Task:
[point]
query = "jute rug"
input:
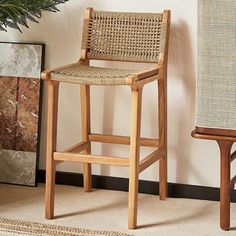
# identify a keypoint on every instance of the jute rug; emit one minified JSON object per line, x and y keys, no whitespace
{"x":26,"y":228}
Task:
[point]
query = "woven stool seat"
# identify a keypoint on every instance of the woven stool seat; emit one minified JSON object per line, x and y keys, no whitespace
{"x":83,"y":74}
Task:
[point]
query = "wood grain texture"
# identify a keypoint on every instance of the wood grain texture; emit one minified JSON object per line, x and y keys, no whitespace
{"x":117,"y":139}
{"x":150,"y":159}
{"x":87,"y":158}
{"x":85,"y":118}
{"x":233,"y":156}
{"x":219,"y":132}
{"x":136,"y":101}
{"x":225,"y":183}
{"x":162,"y":115}
{"x":52,"y":108}
{"x":77,"y":147}
{"x":162,"y":109}
{"x":214,"y":136}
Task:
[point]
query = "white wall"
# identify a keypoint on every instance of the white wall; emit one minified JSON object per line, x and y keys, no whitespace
{"x":190,"y":161}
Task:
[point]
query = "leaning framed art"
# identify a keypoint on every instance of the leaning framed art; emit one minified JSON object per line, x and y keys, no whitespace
{"x":20,"y":111}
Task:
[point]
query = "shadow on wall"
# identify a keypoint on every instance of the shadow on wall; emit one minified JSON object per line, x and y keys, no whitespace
{"x":182,"y":69}
{"x":108,"y":117}
{"x":181,"y":61}
{"x":62,"y":41}
{"x":112,"y":125}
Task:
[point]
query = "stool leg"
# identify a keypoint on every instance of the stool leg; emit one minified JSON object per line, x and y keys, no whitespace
{"x":162,"y":120}
{"x":136,"y":99}
{"x":85,"y":117}
{"x":225,"y":157}
{"x":52,"y":103}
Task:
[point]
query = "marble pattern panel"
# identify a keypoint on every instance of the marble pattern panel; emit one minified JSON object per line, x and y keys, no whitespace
{"x":20,"y":68}
{"x":17,"y":167}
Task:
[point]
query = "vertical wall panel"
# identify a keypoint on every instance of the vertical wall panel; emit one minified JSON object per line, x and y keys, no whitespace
{"x":216,"y":69}
{"x":20,"y":67}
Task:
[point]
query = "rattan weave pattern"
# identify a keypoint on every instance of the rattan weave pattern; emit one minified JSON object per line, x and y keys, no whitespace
{"x":124,"y":36}
{"x":83,"y":74}
{"x":27,"y":228}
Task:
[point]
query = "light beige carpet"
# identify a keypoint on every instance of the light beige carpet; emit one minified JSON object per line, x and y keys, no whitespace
{"x":107,"y":210}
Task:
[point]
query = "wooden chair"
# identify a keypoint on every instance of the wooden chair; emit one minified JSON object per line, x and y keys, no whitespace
{"x":134,"y":37}
{"x":225,"y":139}
{"x":216,"y":90}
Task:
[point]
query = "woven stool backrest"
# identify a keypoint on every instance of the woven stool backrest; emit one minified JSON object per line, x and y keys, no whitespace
{"x":139,"y":37}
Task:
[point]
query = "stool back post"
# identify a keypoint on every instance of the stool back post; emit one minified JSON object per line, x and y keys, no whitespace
{"x":52,"y":110}
{"x":85,"y":113}
{"x":84,"y":49}
{"x":162,"y":106}
{"x":162,"y":82}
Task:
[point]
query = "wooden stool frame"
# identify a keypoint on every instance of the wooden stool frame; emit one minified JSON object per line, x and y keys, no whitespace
{"x":81,"y":152}
{"x":225,"y":140}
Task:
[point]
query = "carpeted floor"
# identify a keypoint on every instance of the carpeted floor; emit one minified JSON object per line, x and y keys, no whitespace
{"x":30,"y":228}
{"x":107,"y":210}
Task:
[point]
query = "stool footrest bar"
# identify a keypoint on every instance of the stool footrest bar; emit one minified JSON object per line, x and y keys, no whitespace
{"x":117,"y":139}
{"x":93,"y":159}
{"x":150,"y":159}
{"x":233,"y":156}
{"x":77,"y":147}
{"x":232,"y":182}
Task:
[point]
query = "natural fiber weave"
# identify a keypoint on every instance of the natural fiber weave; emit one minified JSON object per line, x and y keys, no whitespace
{"x":82,"y":74}
{"x":124,"y":36}
{"x":216,"y":70}
{"x":19,"y":227}
{"x":116,"y":36}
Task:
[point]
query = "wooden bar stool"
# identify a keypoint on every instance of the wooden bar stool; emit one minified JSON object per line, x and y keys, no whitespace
{"x":114,"y":36}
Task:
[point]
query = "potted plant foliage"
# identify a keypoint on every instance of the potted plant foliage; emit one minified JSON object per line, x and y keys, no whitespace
{"x":16,"y":13}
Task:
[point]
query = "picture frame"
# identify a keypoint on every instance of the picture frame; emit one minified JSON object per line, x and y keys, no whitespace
{"x":21,"y":64}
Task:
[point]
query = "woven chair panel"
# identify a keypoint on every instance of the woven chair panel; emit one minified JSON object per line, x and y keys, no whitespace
{"x":124,"y":36}
{"x":82,"y":74}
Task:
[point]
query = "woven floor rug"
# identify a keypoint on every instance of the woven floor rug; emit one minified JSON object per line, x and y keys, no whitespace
{"x":9,"y":227}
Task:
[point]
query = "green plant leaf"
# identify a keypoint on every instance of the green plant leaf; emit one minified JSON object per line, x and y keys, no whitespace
{"x":16,"y":12}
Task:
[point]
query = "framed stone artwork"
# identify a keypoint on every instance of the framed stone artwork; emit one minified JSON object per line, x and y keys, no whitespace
{"x":20,"y":111}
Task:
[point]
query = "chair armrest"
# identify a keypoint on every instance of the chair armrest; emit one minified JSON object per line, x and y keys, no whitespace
{"x":147,"y":76}
{"x":148,"y":73}
{"x":45,"y":75}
